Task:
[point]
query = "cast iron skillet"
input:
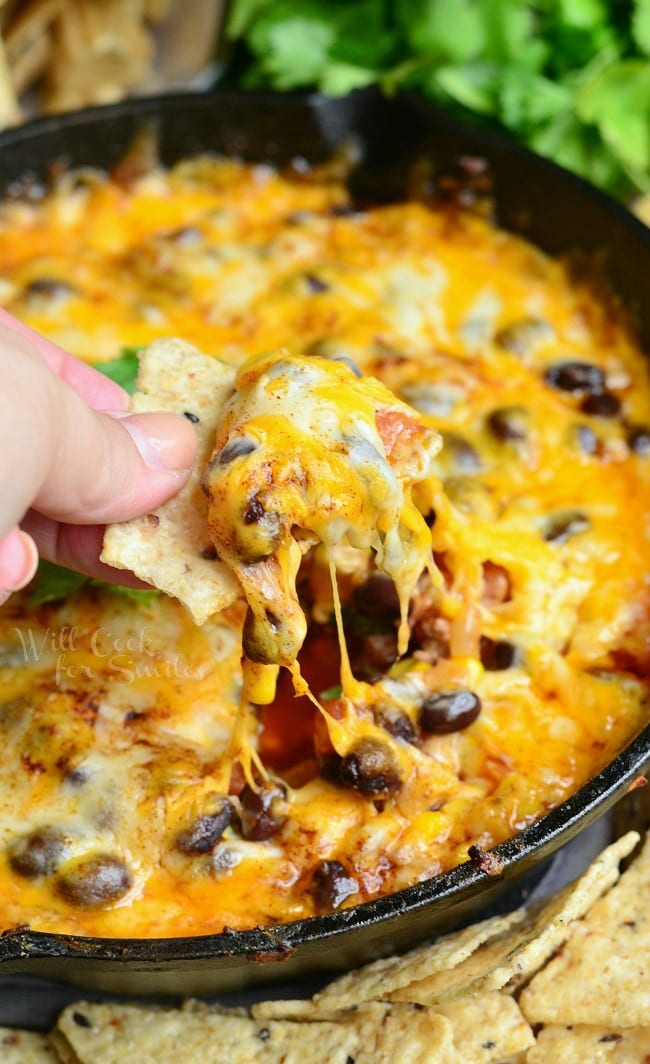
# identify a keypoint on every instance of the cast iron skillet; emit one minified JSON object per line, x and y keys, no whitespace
{"x":556,"y":211}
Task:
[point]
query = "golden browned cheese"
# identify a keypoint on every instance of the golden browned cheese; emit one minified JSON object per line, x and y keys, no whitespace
{"x":120,"y":810}
{"x":300,"y":459}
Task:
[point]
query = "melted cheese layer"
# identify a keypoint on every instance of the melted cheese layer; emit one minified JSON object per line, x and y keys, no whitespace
{"x":115,"y":718}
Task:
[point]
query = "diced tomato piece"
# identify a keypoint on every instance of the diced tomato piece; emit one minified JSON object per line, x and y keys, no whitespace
{"x":396,"y":430}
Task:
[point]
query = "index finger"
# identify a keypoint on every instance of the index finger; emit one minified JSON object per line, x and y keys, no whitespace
{"x":98,"y":391}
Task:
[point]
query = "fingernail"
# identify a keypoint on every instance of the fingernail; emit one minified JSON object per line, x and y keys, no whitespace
{"x":165,"y":442}
{"x":18,"y":560}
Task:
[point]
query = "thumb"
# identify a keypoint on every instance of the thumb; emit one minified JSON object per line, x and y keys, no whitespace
{"x":73,"y":464}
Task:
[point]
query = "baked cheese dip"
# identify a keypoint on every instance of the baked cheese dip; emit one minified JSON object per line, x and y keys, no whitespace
{"x":440,"y":709}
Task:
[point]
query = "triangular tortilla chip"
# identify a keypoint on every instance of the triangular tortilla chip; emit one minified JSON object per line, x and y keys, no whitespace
{"x":588,"y":1045}
{"x":517,"y":953}
{"x":602,"y":976}
{"x":171,"y":547}
{"x":113,"y":1034}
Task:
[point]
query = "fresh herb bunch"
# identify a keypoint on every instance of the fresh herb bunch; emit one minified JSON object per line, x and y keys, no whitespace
{"x":569,"y":78}
{"x":54,"y":582}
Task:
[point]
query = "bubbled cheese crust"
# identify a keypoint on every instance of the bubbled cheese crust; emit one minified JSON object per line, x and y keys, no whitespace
{"x":116,"y":717}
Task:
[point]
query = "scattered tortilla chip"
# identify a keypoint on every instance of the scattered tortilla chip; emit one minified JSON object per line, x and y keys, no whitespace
{"x":401,"y":1034}
{"x":113,"y":1034}
{"x":602,"y":976}
{"x":511,"y":957}
{"x":25,"y":1047}
{"x":487,"y":1027}
{"x":590,"y":1045}
{"x":166,"y":547}
{"x":376,"y":980}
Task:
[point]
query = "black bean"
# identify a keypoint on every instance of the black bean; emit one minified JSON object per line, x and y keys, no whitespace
{"x":235,"y":448}
{"x":76,"y":777}
{"x":563,"y":525}
{"x":94,"y":881}
{"x":449,"y":711}
{"x":497,"y":655}
{"x":372,"y":655}
{"x":638,"y":440}
{"x":194,"y":418}
{"x":461,"y":452}
{"x":579,"y":378}
{"x":266,"y":529}
{"x":342,"y":210}
{"x":37,"y":854}
{"x":471,"y":496}
{"x":332,"y":884}
{"x":254,"y":511}
{"x":50,"y":288}
{"x":398,"y":724}
{"x":255,"y":640}
{"x":376,"y":597}
{"x":299,"y":217}
{"x":371,"y":768}
{"x":206,"y":831}
{"x":604,"y":405}
{"x":586,"y":439}
{"x":263,"y":812}
{"x":523,"y":336}
{"x":314,"y":283}
{"x":509,"y":424}
{"x":329,"y":768}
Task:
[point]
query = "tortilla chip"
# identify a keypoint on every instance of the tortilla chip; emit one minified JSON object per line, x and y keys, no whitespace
{"x":376,"y":980}
{"x":602,"y":976}
{"x":401,"y":1034}
{"x":511,"y":957}
{"x":25,"y":1047}
{"x":588,"y":1045}
{"x":165,"y":547}
{"x":291,"y":1009}
{"x":119,"y":1033}
{"x":383,"y":1032}
{"x":487,"y":1027}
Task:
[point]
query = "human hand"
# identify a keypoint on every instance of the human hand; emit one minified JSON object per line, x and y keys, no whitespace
{"x":72,"y":459}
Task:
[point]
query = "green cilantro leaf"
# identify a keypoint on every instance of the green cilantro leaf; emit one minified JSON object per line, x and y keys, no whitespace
{"x":472,"y":85}
{"x":641,"y":25}
{"x":54,"y":582}
{"x":123,"y":370}
{"x":617,"y":101}
{"x":331,"y":692}
{"x":450,"y":30}
{"x":242,"y":14}
{"x":292,"y":42}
